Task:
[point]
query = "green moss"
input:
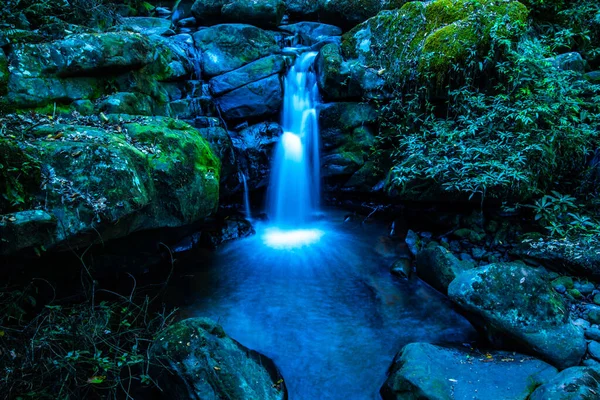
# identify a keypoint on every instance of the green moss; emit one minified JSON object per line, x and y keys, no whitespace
{"x":3,"y":73}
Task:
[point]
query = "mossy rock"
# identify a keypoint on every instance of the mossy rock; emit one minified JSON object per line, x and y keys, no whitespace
{"x":109,"y":181}
{"x":439,"y":267}
{"x":204,"y":363}
{"x":432,"y":36}
{"x":577,"y":383}
{"x":515,"y":302}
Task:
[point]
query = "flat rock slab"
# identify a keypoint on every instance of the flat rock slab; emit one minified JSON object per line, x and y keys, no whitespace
{"x":423,"y":370}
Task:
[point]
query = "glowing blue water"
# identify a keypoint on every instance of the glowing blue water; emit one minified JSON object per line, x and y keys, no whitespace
{"x":294,"y":189}
{"x":329,"y":313}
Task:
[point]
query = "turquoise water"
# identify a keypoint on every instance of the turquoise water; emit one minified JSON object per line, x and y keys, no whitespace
{"x":323,"y":305}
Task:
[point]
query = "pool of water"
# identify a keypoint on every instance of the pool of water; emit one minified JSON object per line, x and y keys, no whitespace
{"x":323,"y":305}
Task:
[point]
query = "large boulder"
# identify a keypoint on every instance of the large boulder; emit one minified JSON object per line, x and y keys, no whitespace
{"x":230,"y":46}
{"x":516,"y":302}
{"x":105,"y":181}
{"x":302,"y":9}
{"x":146,"y":25}
{"x":438,"y":267}
{"x":247,"y":74}
{"x":257,"y":99}
{"x":426,"y":371}
{"x":204,"y":363}
{"x":429,"y":37}
{"x":577,"y":383}
{"x":263,"y":13}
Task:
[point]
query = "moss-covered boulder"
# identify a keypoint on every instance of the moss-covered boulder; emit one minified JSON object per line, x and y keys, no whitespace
{"x":204,"y":363}
{"x":438,"y":267}
{"x":104,"y":181}
{"x":432,"y":37}
{"x":426,"y":371}
{"x":73,"y":68}
{"x":347,"y":135}
{"x":577,"y":383}
{"x":517,"y":303}
{"x":337,"y":80}
{"x":227,"y":47}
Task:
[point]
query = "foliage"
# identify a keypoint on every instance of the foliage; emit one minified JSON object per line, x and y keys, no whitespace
{"x":576,"y":28}
{"x":18,"y":173}
{"x":513,"y":127}
{"x":94,"y":349}
{"x":563,"y":217}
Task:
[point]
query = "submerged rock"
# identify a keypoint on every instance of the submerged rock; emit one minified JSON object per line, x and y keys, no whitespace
{"x":426,"y":371}
{"x":517,"y":302}
{"x":577,"y":383}
{"x":205,"y":363}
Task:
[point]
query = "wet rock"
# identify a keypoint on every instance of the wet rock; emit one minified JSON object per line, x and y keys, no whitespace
{"x":347,"y":134}
{"x":569,"y":62}
{"x":438,"y":267}
{"x":263,"y":13}
{"x":336,"y":80}
{"x":412,"y":241}
{"x":230,"y":46}
{"x":83,"y":107}
{"x":592,"y":313}
{"x":257,"y":99}
{"x":594,"y":349}
{"x":255,"y":145}
{"x":208,"y":12}
{"x":402,"y":268}
{"x":204,"y":363}
{"x":426,"y":371}
{"x":593,"y":77}
{"x":310,"y":33}
{"x":570,"y":384}
{"x":592,"y":333}
{"x":516,"y":302}
{"x":560,"y":289}
{"x":302,"y":9}
{"x":146,"y":25}
{"x":250,"y":73}
{"x":586,"y":288}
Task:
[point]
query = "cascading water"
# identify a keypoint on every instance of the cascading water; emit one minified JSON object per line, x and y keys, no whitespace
{"x":294,"y":189}
{"x":246,"y":197}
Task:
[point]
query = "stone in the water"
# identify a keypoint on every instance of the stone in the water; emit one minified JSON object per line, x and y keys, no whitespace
{"x":516,"y":302}
{"x":205,"y":363}
{"x":426,"y":371}
{"x":577,"y":383}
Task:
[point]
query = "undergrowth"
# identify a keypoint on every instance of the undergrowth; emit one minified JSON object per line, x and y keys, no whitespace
{"x":95,"y":347}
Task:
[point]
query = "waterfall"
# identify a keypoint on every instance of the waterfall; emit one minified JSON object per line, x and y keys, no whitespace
{"x":246,"y":197}
{"x":294,"y":189}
